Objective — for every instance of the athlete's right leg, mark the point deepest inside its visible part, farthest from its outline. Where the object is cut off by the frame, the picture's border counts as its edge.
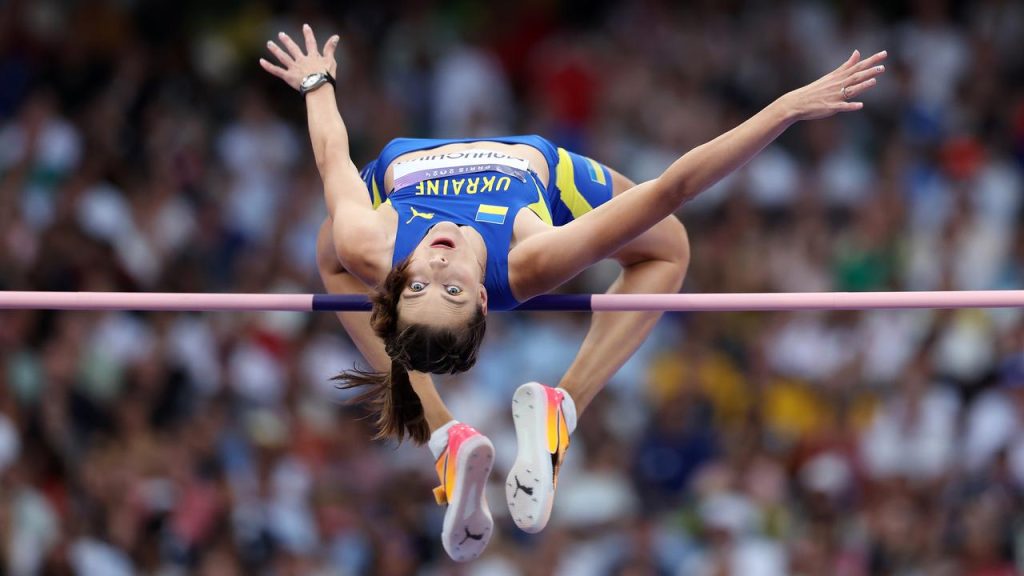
(463, 456)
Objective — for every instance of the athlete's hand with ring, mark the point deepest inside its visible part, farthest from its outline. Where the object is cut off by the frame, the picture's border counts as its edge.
(835, 91)
(296, 65)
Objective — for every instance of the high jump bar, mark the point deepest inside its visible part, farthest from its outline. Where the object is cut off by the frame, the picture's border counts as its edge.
(200, 302)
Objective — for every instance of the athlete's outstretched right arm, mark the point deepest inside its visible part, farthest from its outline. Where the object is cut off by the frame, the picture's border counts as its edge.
(355, 223)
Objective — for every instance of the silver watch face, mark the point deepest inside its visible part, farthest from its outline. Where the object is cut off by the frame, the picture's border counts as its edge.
(311, 80)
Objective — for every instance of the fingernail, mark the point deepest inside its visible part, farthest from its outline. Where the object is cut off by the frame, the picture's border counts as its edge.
(306, 26)
(881, 68)
(884, 53)
(281, 34)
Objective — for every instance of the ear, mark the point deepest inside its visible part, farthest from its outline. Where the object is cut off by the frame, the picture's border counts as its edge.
(483, 299)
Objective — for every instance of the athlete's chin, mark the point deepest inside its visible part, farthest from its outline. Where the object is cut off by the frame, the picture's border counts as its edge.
(445, 228)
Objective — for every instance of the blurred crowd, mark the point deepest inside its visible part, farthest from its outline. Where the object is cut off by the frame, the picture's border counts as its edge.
(142, 149)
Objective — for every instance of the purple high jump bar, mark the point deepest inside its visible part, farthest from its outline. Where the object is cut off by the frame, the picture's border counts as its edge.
(553, 302)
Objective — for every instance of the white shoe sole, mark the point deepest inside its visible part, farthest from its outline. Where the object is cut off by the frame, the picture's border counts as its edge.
(467, 521)
(530, 485)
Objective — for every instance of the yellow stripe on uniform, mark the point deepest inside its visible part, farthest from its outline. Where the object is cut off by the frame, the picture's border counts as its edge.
(540, 207)
(565, 179)
(598, 172)
(376, 193)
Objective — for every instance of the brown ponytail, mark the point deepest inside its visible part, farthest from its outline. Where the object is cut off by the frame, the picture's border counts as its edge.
(390, 396)
(439, 350)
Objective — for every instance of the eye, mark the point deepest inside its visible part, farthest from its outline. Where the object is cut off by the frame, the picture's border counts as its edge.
(417, 286)
(454, 290)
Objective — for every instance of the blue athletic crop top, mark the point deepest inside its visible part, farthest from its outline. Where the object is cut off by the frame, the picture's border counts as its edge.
(483, 191)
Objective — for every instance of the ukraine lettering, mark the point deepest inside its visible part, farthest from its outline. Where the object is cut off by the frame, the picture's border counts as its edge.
(469, 185)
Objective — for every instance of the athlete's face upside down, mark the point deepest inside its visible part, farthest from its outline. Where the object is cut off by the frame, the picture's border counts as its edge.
(445, 278)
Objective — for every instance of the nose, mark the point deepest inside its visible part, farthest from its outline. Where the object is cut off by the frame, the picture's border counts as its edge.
(438, 261)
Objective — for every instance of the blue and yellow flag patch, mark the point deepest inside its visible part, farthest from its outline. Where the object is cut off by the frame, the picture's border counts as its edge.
(596, 172)
(491, 214)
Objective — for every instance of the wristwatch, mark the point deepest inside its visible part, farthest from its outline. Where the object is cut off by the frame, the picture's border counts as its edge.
(314, 81)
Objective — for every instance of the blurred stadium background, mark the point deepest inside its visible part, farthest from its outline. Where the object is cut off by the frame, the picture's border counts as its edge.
(142, 148)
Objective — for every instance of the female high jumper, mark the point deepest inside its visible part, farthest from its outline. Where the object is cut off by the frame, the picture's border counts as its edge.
(441, 231)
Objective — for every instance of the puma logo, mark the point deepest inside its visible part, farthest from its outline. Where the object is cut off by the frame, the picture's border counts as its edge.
(471, 536)
(526, 490)
(417, 213)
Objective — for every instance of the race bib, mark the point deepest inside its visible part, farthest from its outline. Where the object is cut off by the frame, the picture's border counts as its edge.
(412, 172)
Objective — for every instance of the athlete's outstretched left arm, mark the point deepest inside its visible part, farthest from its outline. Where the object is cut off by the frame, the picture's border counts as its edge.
(605, 230)
(653, 263)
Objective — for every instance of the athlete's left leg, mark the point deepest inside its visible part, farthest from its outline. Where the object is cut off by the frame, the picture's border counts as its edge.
(544, 417)
(654, 263)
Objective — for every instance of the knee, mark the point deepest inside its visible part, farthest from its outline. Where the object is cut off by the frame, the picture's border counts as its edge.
(677, 246)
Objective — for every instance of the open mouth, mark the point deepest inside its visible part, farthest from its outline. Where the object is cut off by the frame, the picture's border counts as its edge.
(443, 243)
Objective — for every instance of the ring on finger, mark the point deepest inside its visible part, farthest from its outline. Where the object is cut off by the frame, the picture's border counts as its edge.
(845, 95)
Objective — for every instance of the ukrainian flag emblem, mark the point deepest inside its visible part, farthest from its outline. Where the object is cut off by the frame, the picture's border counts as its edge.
(596, 173)
(491, 214)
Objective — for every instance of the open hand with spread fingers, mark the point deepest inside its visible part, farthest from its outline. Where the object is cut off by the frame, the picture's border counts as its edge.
(836, 91)
(298, 67)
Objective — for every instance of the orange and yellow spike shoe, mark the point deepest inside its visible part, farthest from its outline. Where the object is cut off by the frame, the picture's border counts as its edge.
(463, 469)
(543, 437)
